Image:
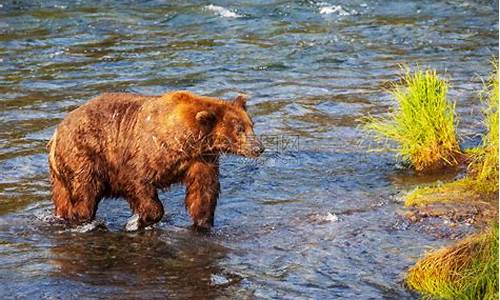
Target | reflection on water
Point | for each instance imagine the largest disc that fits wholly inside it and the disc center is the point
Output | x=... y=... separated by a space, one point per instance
x=177 y=266
x=320 y=222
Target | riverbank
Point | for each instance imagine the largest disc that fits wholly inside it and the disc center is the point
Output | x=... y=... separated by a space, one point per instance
x=467 y=269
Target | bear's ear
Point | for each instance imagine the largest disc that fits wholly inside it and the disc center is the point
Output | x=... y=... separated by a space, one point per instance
x=241 y=101
x=205 y=117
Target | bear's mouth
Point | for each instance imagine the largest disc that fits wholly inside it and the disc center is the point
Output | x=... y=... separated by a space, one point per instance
x=254 y=151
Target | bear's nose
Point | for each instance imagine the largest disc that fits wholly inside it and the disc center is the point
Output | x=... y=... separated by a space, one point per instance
x=259 y=148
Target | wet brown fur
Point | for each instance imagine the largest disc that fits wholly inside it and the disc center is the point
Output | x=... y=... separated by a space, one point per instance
x=130 y=145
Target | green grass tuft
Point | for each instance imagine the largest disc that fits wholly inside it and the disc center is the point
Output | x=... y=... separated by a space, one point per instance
x=459 y=190
x=466 y=270
x=482 y=173
x=423 y=124
x=484 y=168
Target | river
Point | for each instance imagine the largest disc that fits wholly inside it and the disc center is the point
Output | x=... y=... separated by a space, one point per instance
x=316 y=217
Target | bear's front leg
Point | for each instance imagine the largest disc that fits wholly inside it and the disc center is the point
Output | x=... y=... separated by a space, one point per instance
x=147 y=208
x=202 y=191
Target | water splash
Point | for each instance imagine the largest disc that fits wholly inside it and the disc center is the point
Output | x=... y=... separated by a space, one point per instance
x=89 y=227
x=329 y=217
x=218 y=280
x=324 y=219
x=221 y=11
x=132 y=223
x=327 y=10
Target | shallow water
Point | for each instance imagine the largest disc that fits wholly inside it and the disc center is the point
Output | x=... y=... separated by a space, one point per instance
x=315 y=217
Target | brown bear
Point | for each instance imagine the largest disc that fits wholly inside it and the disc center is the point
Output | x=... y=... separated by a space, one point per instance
x=129 y=145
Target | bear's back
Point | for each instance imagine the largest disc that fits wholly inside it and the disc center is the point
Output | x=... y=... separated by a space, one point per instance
x=106 y=108
x=116 y=103
x=103 y=122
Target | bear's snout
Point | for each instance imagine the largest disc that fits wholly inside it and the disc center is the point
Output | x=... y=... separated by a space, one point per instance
x=259 y=148
x=256 y=148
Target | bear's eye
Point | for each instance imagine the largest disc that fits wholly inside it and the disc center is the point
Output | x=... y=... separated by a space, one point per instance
x=238 y=126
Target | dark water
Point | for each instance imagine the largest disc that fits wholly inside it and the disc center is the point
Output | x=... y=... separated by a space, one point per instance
x=316 y=217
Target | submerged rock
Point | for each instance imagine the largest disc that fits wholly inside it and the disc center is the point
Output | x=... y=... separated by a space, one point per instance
x=451 y=219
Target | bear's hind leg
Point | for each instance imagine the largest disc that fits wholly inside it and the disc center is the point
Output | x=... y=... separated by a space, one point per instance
x=84 y=210
x=78 y=205
x=86 y=195
x=147 y=208
x=61 y=197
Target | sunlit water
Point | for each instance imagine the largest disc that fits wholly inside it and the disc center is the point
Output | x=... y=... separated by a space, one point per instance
x=316 y=217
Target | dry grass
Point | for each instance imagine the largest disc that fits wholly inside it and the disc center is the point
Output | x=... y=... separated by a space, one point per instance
x=466 y=270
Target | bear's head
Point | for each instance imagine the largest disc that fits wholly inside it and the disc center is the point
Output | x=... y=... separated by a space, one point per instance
x=231 y=128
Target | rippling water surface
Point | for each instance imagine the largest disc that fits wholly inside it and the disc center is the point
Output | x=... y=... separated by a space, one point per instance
x=321 y=222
